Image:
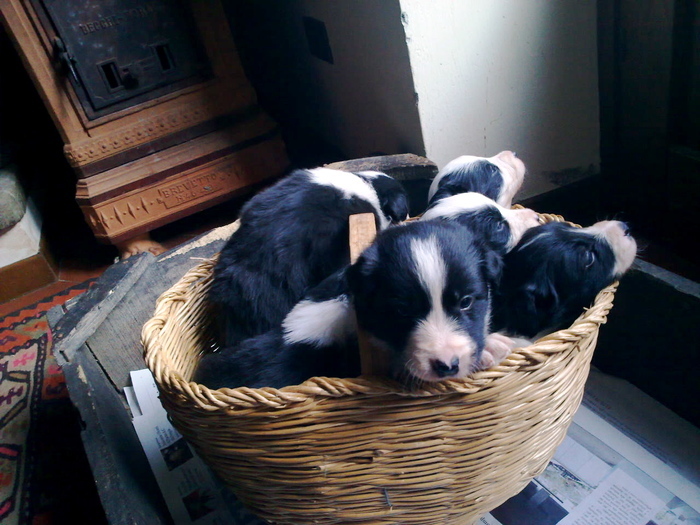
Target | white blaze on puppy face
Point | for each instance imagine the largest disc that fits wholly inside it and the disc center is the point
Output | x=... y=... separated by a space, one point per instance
x=519 y=221
x=513 y=171
x=351 y=186
x=438 y=336
x=623 y=246
x=321 y=323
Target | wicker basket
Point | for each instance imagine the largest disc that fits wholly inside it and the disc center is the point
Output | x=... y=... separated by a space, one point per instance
x=364 y=450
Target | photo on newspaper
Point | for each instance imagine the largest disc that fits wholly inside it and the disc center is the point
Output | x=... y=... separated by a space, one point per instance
x=589 y=483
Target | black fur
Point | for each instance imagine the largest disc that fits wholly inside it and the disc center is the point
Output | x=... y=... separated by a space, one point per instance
x=269 y=360
x=389 y=302
x=392 y=199
x=292 y=236
x=554 y=272
x=480 y=176
x=487 y=224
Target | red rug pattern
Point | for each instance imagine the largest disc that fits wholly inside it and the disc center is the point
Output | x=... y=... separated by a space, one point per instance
x=44 y=476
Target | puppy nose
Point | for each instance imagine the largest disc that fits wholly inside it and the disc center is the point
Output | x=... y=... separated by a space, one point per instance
x=442 y=369
x=625 y=228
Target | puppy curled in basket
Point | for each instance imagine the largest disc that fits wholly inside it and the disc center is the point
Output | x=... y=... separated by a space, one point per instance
x=293 y=235
x=555 y=271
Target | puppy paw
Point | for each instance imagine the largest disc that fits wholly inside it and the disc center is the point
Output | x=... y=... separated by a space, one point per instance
x=497 y=348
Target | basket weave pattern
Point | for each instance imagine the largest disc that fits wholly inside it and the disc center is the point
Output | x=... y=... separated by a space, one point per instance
x=365 y=450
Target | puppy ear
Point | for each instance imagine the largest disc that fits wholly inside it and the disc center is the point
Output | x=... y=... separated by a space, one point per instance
x=493 y=266
x=356 y=275
x=542 y=298
x=395 y=207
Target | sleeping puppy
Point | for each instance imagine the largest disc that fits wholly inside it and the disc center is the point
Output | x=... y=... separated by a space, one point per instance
x=488 y=220
x=556 y=271
x=292 y=236
x=421 y=293
x=317 y=338
x=498 y=177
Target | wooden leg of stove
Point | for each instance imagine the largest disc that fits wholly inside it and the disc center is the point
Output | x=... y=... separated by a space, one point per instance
x=139 y=244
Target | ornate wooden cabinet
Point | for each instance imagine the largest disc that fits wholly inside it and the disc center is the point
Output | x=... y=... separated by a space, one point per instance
x=149 y=96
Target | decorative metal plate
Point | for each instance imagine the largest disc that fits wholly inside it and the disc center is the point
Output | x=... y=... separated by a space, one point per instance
x=125 y=50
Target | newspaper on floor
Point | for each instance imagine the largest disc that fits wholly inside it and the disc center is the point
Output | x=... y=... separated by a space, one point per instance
x=626 y=460
x=191 y=491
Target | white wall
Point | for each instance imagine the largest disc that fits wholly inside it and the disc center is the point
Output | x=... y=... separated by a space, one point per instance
x=508 y=74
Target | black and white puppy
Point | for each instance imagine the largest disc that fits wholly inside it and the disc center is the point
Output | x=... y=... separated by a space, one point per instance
x=317 y=338
x=498 y=177
x=291 y=237
x=421 y=293
x=556 y=271
x=501 y=227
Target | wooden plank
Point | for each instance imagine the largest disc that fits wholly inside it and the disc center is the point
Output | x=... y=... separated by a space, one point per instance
x=362 y=232
x=24 y=276
x=404 y=166
x=117 y=341
x=95 y=305
x=125 y=482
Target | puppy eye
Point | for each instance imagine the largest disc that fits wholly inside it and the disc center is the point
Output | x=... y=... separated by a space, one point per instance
x=466 y=302
x=590 y=259
x=500 y=226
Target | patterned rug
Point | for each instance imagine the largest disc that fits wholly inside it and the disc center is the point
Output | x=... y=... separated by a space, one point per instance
x=44 y=475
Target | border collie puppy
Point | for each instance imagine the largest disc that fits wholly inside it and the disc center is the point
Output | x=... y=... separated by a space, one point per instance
x=498 y=177
x=556 y=271
x=421 y=293
x=291 y=237
x=317 y=338
x=501 y=227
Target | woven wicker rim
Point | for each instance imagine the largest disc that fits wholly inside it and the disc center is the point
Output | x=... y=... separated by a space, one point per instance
x=524 y=359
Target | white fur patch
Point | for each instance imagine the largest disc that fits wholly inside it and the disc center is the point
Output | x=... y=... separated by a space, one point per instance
x=536 y=238
x=438 y=336
x=373 y=174
x=321 y=323
x=350 y=185
x=519 y=221
x=513 y=172
x=623 y=246
x=455 y=205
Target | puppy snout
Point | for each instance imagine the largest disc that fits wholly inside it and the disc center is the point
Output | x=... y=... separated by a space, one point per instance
x=507 y=155
x=532 y=218
x=443 y=369
x=625 y=229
